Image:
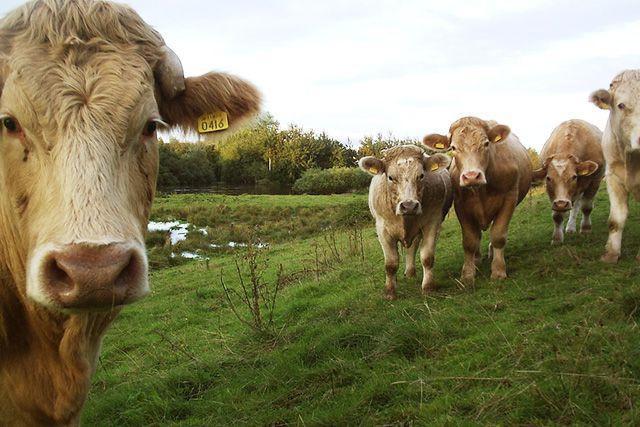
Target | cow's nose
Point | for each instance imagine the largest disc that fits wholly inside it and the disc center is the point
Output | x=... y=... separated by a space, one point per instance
x=472 y=178
x=409 y=207
x=94 y=277
x=561 y=205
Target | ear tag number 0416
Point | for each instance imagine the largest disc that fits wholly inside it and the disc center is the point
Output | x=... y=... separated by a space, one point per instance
x=213 y=122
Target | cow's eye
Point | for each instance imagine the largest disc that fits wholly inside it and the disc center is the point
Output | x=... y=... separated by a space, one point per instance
x=150 y=128
x=11 y=125
x=390 y=178
x=621 y=106
x=421 y=176
x=486 y=144
x=548 y=179
x=574 y=177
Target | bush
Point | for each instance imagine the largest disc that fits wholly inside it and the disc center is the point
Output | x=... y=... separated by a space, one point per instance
x=331 y=181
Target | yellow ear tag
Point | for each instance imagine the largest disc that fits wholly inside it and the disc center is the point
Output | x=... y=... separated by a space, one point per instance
x=213 y=122
x=583 y=172
x=434 y=167
x=439 y=145
x=497 y=138
x=373 y=170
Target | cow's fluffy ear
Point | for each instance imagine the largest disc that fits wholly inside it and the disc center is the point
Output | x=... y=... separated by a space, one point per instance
x=586 y=168
x=211 y=93
x=601 y=98
x=499 y=133
x=436 y=162
x=539 y=174
x=436 y=142
x=371 y=165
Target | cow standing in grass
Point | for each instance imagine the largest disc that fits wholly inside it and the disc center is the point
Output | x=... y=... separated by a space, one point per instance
x=491 y=174
x=83 y=87
x=621 y=147
x=409 y=196
x=572 y=167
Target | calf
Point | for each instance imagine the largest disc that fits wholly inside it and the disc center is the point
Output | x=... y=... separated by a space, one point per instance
x=409 y=196
x=621 y=147
x=491 y=174
x=83 y=87
x=572 y=166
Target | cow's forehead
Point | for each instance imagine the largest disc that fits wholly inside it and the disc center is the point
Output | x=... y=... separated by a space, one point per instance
x=469 y=136
x=562 y=166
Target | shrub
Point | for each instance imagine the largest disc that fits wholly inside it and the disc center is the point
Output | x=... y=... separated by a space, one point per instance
x=332 y=181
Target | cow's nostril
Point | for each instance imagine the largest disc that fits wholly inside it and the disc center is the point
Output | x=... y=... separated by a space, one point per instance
x=58 y=276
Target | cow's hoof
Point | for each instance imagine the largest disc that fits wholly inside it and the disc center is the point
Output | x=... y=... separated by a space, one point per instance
x=410 y=273
x=610 y=258
x=498 y=275
x=468 y=280
x=585 y=229
x=390 y=296
x=555 y=242
x=638 y=258
x=570 y=231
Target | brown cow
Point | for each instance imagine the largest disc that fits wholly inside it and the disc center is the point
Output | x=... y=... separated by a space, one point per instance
x=491 y=174
x=83 y=86
x=621 y=147
x=409 y=196
x=572 y=166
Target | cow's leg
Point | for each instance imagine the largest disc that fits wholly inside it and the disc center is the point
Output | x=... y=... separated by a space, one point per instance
x=410 y=259
x=499 y=230
x=618 y=213
x=427 y=254
x=586 y=206
x=573 y=217
x=390 y=250
x=558 y=234
x=471 y=236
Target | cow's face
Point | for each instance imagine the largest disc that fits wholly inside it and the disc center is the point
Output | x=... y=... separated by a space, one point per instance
x=562 y=174
x=623 y=102
x=78 y=161
x=471 y=141
x=404 y=170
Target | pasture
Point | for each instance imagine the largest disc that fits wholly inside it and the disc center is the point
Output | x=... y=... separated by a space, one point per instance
x=557 y=342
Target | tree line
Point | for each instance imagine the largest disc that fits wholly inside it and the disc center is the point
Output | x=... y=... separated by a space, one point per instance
x=267 y=155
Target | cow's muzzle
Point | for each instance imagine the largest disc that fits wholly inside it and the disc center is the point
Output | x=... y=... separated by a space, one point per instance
x=91 y=277
x=561 y=205
x=409 y=207
x=472 y=178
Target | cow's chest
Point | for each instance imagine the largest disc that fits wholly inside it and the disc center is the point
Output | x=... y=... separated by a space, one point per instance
x=480 y=205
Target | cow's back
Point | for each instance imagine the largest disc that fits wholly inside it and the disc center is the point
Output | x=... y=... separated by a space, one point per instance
x=578 y=138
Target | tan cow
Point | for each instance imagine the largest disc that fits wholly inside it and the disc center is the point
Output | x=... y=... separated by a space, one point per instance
x=621 y=147
x=83 y=86
x=572 y=167
x=409 y=196
x=491 y=174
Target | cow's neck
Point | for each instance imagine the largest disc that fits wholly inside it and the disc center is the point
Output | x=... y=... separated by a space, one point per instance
x=46 y=359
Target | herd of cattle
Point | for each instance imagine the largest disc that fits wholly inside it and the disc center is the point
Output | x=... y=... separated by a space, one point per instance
x=489 y=173
x=84 y=84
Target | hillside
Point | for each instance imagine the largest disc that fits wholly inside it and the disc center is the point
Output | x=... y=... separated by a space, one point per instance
x=557 y=342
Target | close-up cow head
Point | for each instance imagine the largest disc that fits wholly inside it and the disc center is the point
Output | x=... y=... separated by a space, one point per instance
x=562 y=174
x=471 y=141
x=79 y=109
x=405 y=169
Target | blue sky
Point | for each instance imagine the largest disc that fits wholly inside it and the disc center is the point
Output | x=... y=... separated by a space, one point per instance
x=355 y=68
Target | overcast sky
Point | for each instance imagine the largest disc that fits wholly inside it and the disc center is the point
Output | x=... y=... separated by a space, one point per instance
x=355 y=68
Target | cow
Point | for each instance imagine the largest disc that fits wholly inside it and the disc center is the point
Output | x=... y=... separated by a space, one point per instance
x=84 y=86
x=572 y=167
x=491 y=175
x=621 y=147
x=409 y=196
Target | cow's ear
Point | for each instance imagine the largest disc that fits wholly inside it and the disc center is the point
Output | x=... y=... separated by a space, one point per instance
x=586 y=168
x=436 y=162
x=210 y=94
x=602 y=98
x=371 y=165
x=498 y=133
x=539 y=174
x=436 y=142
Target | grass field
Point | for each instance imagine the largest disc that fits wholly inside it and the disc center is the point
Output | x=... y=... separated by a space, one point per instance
x=556 y=343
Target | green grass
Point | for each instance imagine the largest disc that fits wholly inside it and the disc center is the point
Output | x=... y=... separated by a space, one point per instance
x=556 y=343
